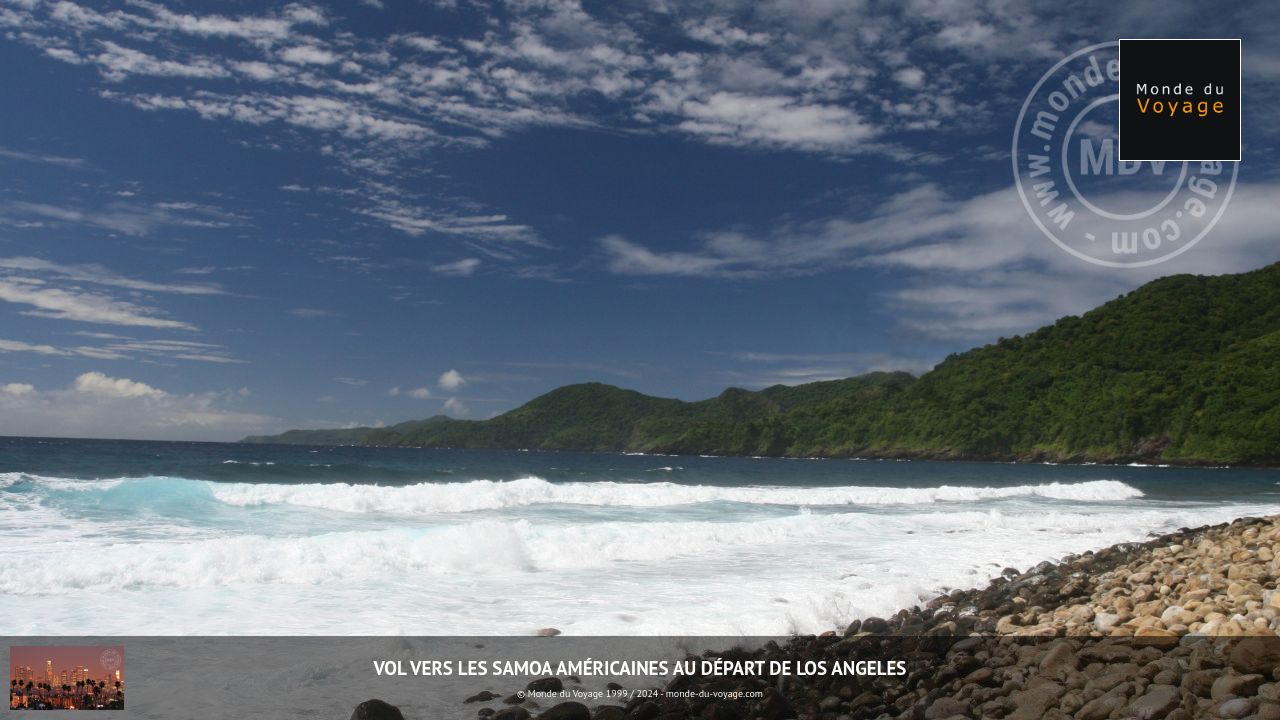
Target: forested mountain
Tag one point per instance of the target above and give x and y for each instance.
(1185, 369)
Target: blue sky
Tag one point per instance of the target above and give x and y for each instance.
(228, 218)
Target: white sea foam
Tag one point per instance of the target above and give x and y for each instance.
(9, 479)
(170, 555)
(492, 495)
(808, 571)
(505, 547)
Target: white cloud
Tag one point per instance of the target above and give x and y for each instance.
(123, 348)
(19, 346)
(96, 405)
(459, 268)
(308, 55)
(171, 349)
(69, 162)
(83, 306)
(95, 383)
(309, 312)
(773, 121)
(972, 268)
(119, 217)
(912, 77)
(455, 407)
(117, 62)
(56, 291)
(451, 380)
(98, 275)
(420, 393)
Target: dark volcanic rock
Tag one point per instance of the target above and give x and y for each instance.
(545, 685)
(376, 710)
(1158, 702)
(645, 711)
(875, 625)
(566, 711)
(482, 696)
(1256, 655)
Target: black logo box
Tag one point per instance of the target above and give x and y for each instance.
(1186, 67)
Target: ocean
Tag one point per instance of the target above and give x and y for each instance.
(128, 538)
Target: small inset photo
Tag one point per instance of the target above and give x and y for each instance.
(66, 677)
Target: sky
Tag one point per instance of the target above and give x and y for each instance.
(219, 219)
(65, 657)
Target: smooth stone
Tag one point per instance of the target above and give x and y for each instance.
(1158, 702)
(376, 710)
(566, 711)
(1235, 708)
(1256, 655)
(1229, 686)
(946, 707)
(545, 685)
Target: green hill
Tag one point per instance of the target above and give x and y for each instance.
(1185, 369)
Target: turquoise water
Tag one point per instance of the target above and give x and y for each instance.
(172, 538)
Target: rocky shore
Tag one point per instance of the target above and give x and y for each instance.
(1185, 625)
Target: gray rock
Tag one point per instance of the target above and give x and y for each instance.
(376, 710)
(1059, 660)
(1255, 655)
(1103, 622)
(1032, 703)
(1229, 686)
(1101, 708)
(645, 711)
(874, 625)
(566, 711)
(545, 685)
(1159, 701)
(1235, 708)
(981, 676)
(1200, 682)
(946, 707)
(1114, 676)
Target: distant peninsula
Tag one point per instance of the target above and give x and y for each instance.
(1184, 370)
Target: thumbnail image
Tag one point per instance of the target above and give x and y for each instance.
(73, 677)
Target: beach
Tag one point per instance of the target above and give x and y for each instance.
(1184, 625)
(230, 539)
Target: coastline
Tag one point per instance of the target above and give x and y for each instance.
(1039, 457)
(1183, 625)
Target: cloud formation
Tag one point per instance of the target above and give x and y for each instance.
(451, 380)
(94, 403)
(56, 291)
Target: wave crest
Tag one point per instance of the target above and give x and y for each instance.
(495, 495)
